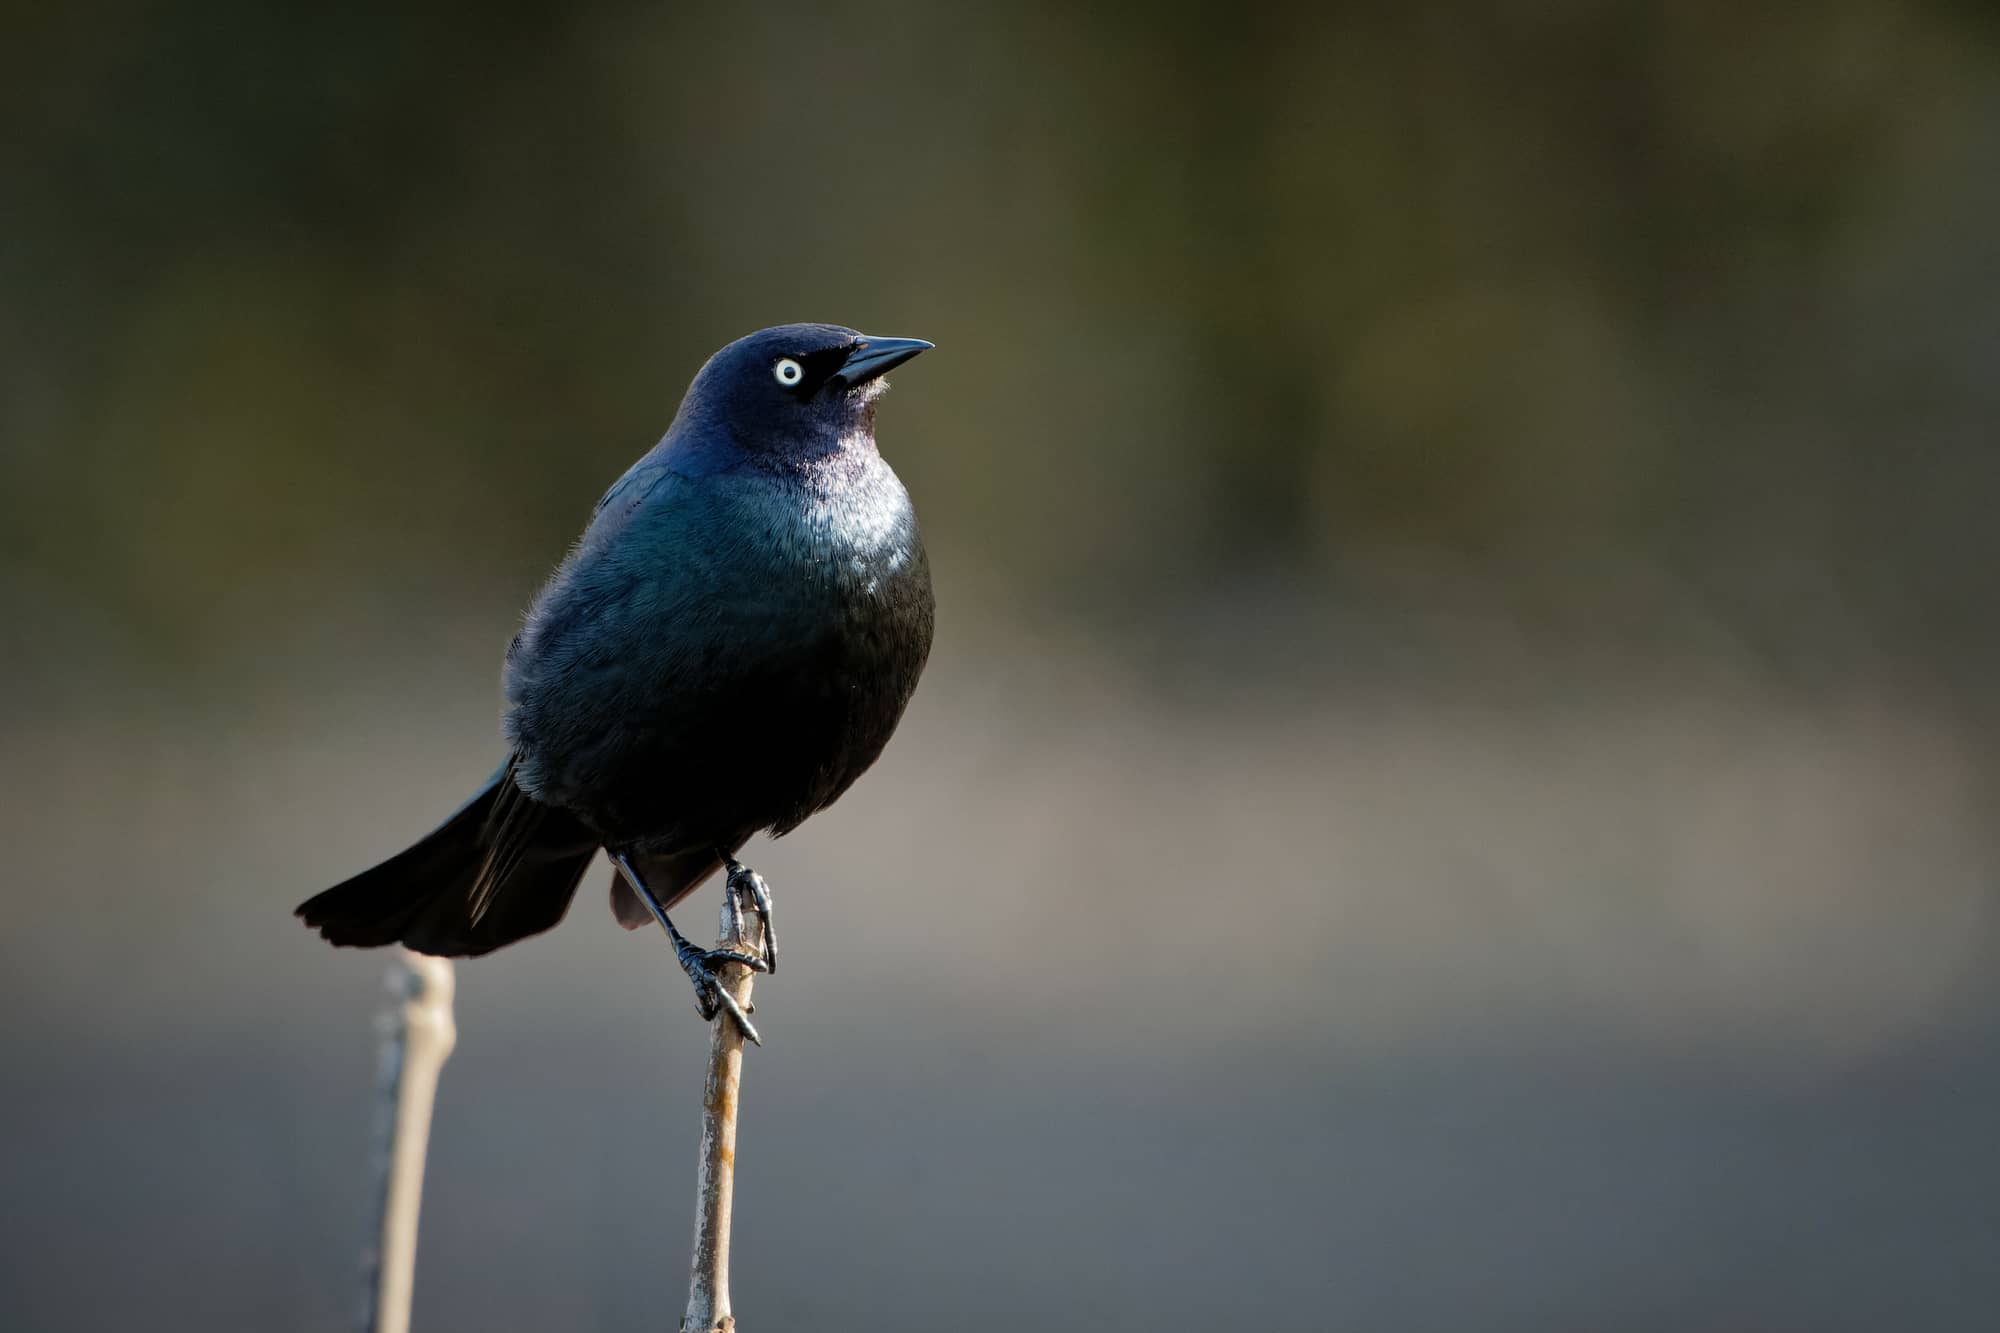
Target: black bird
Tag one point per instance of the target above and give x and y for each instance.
(727, 648)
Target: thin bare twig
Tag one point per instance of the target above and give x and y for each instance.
(418, 1034)
(715, 1186)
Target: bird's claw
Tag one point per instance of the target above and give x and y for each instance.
(746, 884)
(745, 887)
(749, 960)
(711, 997)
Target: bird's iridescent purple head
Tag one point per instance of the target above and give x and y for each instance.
(796, 387)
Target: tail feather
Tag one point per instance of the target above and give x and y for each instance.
(500, 869)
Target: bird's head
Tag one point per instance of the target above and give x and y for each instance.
(794, 388)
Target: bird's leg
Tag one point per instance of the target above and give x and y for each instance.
(747, 883)
(709, 994)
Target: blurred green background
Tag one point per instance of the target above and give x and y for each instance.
(1456, 787)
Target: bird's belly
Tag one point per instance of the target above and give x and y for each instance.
(768, 714)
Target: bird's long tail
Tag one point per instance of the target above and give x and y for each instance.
(503, 868)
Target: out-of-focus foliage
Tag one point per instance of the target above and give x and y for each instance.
(1647, 318)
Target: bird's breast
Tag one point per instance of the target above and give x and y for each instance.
(845, 535)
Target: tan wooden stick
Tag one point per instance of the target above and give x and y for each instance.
(715, 1186)
(419, 1037)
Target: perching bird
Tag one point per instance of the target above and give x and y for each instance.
(727, 648)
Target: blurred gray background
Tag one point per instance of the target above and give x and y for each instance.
(1455, 790)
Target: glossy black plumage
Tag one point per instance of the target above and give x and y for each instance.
(728, 647)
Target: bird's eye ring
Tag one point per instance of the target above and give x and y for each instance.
(788, 372)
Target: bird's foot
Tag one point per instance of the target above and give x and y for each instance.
(746, 885)
(711, 997)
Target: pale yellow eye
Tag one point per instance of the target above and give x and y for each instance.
(788, 372)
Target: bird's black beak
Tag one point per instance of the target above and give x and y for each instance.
(874, 357)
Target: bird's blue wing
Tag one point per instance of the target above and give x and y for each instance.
(637, 483)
